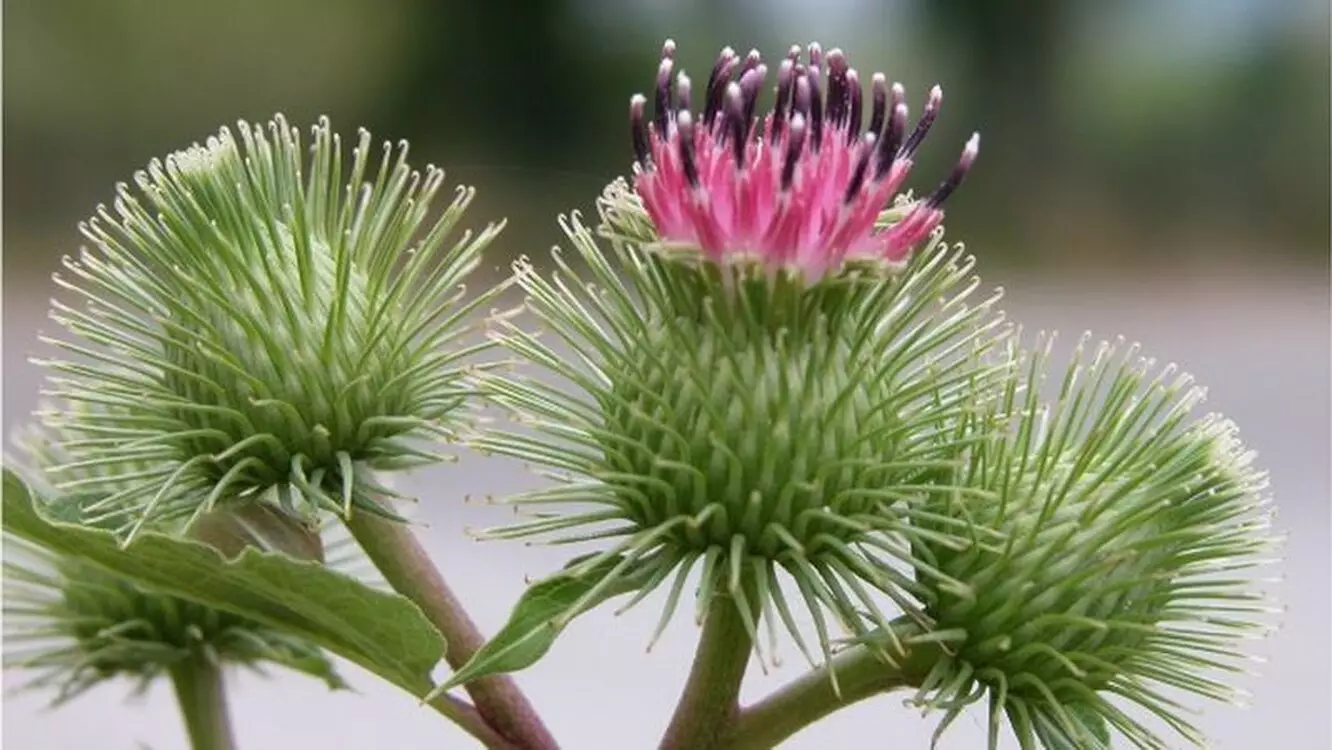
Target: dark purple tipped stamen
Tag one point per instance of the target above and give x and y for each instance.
(794, 145)
(717, 81)
(638, 127)
(801, 104)
(665, 106)
(734, 123)
(837, 88)
(862, 166)
(923, 125)
(855, 105)
(683, 87)
(751, 83)
(892, 140)
(785, 84)
(815, 108)
(752, 61)
(958, 174)
(668, 49)
(879, 92)
(897, 99)
(687, 162)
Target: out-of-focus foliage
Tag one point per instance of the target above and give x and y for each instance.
(1115, 132)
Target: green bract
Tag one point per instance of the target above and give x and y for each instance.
(255, 324)
(1128, 532)
(739, 421)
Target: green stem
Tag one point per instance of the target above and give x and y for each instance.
(711, 697)
(407, 567)
(861, 673)
(467, 718)
(203, 703)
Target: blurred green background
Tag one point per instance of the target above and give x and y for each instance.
(1114, 133)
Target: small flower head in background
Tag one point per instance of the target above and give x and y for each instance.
(75, 625)
(803, 187)
(256, 324)
(722, 394)
(1124, 578)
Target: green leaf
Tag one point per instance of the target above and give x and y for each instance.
(542, 612)
(384, 633)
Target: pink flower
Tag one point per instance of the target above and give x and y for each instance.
(805, 188)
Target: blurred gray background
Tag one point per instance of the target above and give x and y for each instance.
(1157, 169)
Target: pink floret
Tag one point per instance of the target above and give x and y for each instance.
(801, 188)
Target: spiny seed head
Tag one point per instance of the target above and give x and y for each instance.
(748, 426)
(266, 324)
(1128, 532)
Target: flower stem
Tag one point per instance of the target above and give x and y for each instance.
(861, 673)
(711, 697)
(404, 563)
(203, 703)
(467, 718)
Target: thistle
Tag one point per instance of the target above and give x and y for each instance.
(257, 326)
(1123, 576)
(761, 378)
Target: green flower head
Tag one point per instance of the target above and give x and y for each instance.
(735, 412)
(76, 625)
(1122, 578)
(259, 324)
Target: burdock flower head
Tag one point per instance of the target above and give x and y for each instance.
(256, 324)
(752, 381)
(1123, 583)
(805, 186)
